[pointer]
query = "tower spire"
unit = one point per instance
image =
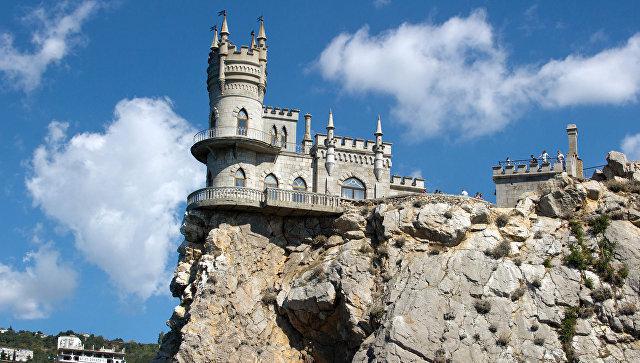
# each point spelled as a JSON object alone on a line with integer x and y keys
{"x": 253, "y": 40}
{"x": 224, "y": 31}
{"x": 330, "y": 122}
{"x": 262, "y": 35}
{"x": 379, "y": 127}
{"x": 214, "y": 42}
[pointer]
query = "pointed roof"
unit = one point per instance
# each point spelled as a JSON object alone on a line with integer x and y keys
{"x": 225, "y": 27}
{"x": 330, "y": 122}
{"x": 379, "y": 127}
{"x": 261, "y": 33}
{"x": 214, "y": 42}
{"x": 253, "y": 40}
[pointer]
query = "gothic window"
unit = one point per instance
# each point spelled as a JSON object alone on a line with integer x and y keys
{"x": 283, "y": 137}
{"x": 273, "y": 134}
{"x": 299, "y": 184}
{"x": 209, "y": 179}
{"x": 353, "y": 188}
{"x": 240, "y": 178}
{"x": 243, "y": 120}
{"x": 270, "y": 181}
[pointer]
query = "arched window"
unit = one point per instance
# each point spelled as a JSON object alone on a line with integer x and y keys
{"x": 209, "y": 179}
{"x": 273, "y": 135}
{"x": 243, "y": 121}
{"x": 270, "y": 181}
{"x": 353, "y": 188}
{"x": 240, "y": 178}
{"x": 299, "y": 184}
{"x": 283, "y": 137}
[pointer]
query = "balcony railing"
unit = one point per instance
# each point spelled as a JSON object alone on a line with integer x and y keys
{"x": 227, "y": 193}
{"x": 303, "y": 198}
{"x": 246, "y": 132}
{"x": 270, "y": 197}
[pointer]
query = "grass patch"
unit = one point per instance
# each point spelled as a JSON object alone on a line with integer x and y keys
{"x": 502, "y": 220}
{"x": 518, "y": 293}
{"x": 503, "y": 249}
{"x": 588, "y": 283}
{"x": 567, "y": 331}
{"x": 599, "y": 224}
{"x": 547, "y": 263}
{"x": 627, "y": 308}
{"x": 539, "y": 341}
{"x": 601, "y": 294}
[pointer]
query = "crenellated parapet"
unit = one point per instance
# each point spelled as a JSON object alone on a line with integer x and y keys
{"x": 351, "y": 144}
{"x": 513, "y": 170}
{"x": 291, "y": 114}
{"x": 408, "y": 181}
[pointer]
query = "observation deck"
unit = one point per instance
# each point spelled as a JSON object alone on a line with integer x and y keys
{"x": 270, "y": 200}
{"x": 249, "y": 138}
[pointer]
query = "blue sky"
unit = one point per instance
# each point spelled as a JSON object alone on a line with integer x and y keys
{"x": 99, "y": 101}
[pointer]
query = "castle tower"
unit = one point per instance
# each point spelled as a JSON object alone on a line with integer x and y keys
{"x": 236, "y": 82}
{"x": 307, "y": 142}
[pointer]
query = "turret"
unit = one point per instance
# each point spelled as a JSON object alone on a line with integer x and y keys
{"x": 378, "y": 148}
{"x": 574, "y": 163}
{"x": 330, "y": 143}
{"x": 262, "y": 35}
{"x": 214, "y": 42}
{"x": 253, "y": 40}
{"x": 224, "y": 32}
{"x": 306, "y": 139}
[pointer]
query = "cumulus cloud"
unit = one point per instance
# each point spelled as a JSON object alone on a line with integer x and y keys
{"x": 45, "y": 281}
{"x": 56, "y": 33}
{"x": 119, "y": 190}
{"x": 455, "y": 77}
{"x": 631, "y": 146}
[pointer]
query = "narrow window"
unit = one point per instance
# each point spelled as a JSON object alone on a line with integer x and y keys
{"x": 212, "y": 121}
{"x": 243, "y": 120}
{"x": 209, "y": 179}
{"x": 240, "y": 179}
{"x": 283, "y": 137}
{"x": 270, "y": 181}
{"x": 273, "y": 135}
{"x": 299, "y": 184}
{"x": 353, "y": 188}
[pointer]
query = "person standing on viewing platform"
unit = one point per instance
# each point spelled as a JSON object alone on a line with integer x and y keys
{"x": 544, "y": 156}
{"x": 560, "y": 159}
{"x": 464, "y": 193}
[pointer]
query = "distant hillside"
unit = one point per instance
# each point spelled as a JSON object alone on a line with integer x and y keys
{"x": 44, "y": 347}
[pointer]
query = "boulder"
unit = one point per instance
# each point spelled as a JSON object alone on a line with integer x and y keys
{"x": 442, "y": 223}
{"x": 593, "y": 188}
{"x": 561, "y": 203}
{"x": 617, "y": 164}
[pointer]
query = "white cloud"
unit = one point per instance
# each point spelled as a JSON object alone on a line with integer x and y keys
{"x": 45, "y": 281}
{"x": 119, "y": 191}
{"x": 631, "y": 146}
{"x": 381, "y": 3}
{"x": 455, "y": 78}
{"x": 55, "y": 35}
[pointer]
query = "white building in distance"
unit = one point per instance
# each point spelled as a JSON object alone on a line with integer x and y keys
{"x": 71, "y": 349}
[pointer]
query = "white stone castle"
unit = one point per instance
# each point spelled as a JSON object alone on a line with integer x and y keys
{"x": 253, "y": 158}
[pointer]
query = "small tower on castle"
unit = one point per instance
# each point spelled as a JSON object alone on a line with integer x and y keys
{"x": 330, "y": 143}
{"x": 378, "y": 148}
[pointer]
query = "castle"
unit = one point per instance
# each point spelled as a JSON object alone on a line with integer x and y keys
{"x": 253, "y": 159}
{"x": 513, "y": 178}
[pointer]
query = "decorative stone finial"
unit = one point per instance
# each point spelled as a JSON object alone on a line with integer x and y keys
{"x": 253, "y": 40}
{"x": 330, "y": 122}
{"x": 214, "y": 42}
{"x": 224, "y": 32}
{"x": 379, "y": 127}
{"x": 262, "y": 35}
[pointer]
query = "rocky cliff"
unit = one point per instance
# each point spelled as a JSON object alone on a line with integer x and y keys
{"x": 418, "y": 278}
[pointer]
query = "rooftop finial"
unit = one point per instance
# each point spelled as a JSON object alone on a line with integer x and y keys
{"x": 379, "y": 127}
{"x": 224, "y": 32}
{"x": 214, "y": 42}
{"x": 253, "y": 40}
{"x": 262, "y": 35}
{"x": 330, "y": 122}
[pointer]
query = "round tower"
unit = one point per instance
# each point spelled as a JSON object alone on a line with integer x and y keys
{"x": 236, "y": 82}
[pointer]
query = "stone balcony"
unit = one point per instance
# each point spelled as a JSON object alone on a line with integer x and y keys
{"x": 270, "y": 200}
{"x": 250, "y": 138}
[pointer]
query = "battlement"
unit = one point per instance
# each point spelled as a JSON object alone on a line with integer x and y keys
{"x": 291, "y": 114}
{"x": 525, "y": 169}
{"x": 408, "y": 181}
{"x": 345, "y": 143}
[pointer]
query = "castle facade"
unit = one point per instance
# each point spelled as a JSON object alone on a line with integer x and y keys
{"x": 251, "y": 150}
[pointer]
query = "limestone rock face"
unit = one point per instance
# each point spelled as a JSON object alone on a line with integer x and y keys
{"x": 409, "y": 279}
